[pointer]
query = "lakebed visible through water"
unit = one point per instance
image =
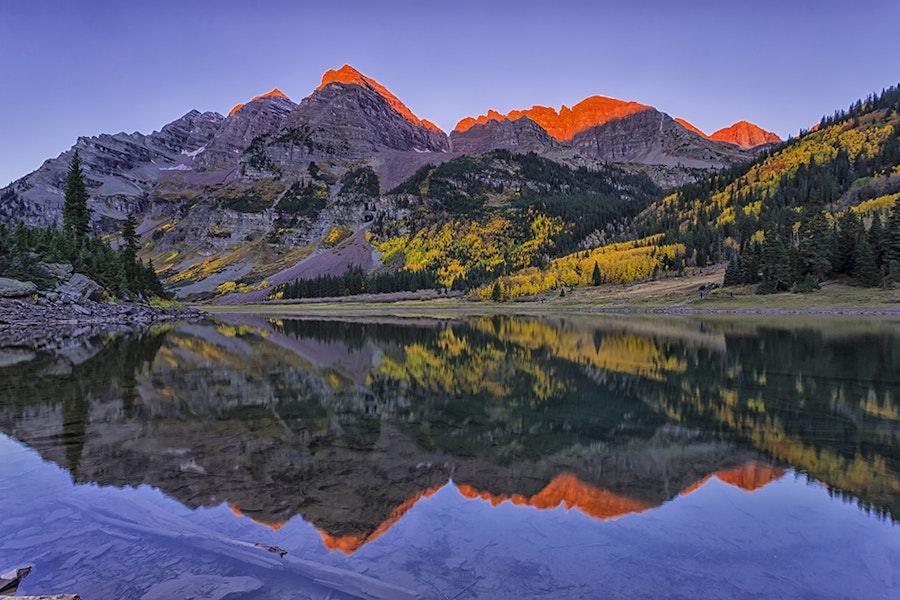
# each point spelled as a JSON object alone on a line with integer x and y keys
{"x": 474, "y": 457}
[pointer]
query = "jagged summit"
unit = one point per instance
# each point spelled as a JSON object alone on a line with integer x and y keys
{"x": 566, "y": 123}
{"x": 276, "y": 93}
{"x": 350, "y": 76}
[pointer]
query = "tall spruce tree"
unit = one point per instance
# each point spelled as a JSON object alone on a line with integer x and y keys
{"x": 849, "y": 231}
{"x": 815, "y": 241}
{"x": 891, "y": 243}
{"x": 76, "y": 214}
{"x": 129, "y": 246}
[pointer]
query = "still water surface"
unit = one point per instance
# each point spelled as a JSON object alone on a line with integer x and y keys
{"x": 494, "y": 457}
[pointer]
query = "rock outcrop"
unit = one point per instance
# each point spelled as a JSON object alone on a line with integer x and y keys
{"x": 519, "y": 135}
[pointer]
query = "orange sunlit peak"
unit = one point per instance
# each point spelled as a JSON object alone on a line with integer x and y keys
{"x": 745, "y": 135}
{"x": 350, "y": 76}
{"x": 566, "y": 123}
{"x": 276, "y": 93}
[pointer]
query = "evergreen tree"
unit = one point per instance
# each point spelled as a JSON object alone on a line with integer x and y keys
{"x": 849, "y": 231}
{"x": 76, "y": 214}
{"x": 815, "y": 241}
{"x": 876, "y": 240}
{"x": 891, "y": 243}
{"x": 129, "y": 239}
{"x": 596, "y": 276}
{"x": 864, "y": 269}
{"x": 733, "y": 271}
{"x": 775, "y": 263}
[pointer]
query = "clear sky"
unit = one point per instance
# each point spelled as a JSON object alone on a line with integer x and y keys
{"x": 72, "y": 68}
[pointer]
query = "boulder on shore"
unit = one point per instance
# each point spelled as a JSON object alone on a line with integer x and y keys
{"x": 13, "y": 288}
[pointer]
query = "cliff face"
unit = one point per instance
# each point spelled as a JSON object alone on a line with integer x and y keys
{"x": 520, "y": 135}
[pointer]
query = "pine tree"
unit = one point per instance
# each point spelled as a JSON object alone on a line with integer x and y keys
{"x": 864, "y": 268}
{"x": 129, "y": 239}
{"x": 848, "y": 234}
{"x": 876, "y": 240}
{"x": 815, "y": 241}
{"x": 76, "y": 214}
{"x": 733, "y": 271}
{"x": 775, "y": 263}
{"x": 596, "y": 276}
{"x": 891, "y": 243}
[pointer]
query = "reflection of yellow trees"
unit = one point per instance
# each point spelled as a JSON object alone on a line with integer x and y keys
{"x": 455, "y": 366}
{"x": 618, "y": 263}
{"x": 618, "y": 351}
{"x": 865, "y": 477}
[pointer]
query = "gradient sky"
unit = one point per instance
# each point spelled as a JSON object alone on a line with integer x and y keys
{"x": 81, "y": 68}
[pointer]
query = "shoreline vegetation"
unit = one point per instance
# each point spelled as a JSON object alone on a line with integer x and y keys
{"x": 692, "y": 294}
{"x": 51, "y": 321}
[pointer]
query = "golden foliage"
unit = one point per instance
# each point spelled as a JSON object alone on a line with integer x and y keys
{"x": 455, "y": 247}
{"x": 624, "y": 262}
{"x": 337, "y": 235}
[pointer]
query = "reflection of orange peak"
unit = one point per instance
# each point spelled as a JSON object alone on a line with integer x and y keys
{"x": 567, "y": 122}
{"x": 564, "y": 489}
{"x": 350, "y": 543}
{"x": 569, "y": 490}
{"x": 276, "y": 93}
{"x": 274, "y": 526}
{"x": 749, "y": 477}
{"x": 351, "y": 76}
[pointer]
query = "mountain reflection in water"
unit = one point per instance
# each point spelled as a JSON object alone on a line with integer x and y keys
{"x": 351, "y": 425}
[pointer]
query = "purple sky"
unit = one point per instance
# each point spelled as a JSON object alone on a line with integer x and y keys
{"x": 88, "y": 67}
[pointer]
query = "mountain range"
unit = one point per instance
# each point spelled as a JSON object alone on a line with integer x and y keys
{"x": 265, "y": 155}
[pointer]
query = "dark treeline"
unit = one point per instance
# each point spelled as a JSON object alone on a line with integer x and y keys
{"x": 355, "y": 281}
{"x": 784, "y": 259}
{"x": 888, "y": 99}
{"x": 23, "y": 249}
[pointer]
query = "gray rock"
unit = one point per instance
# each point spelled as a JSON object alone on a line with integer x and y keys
{"x": 61, "y": 271}
{"x": 13, "y": 288}
{"x": 86, "y": 287}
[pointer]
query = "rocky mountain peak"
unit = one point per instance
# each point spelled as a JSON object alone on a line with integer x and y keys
{"x": 276, "y": 93}
{"x": 745, "y": 135}
{"x": 350, "y": 76}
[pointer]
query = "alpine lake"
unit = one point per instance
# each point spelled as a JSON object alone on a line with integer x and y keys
{"x": 553, "y": 456}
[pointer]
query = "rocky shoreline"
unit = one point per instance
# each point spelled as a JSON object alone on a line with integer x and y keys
{"x": 54, "y": 320}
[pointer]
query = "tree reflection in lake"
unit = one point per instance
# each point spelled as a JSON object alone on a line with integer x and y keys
{"x": 354, "y": 426}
